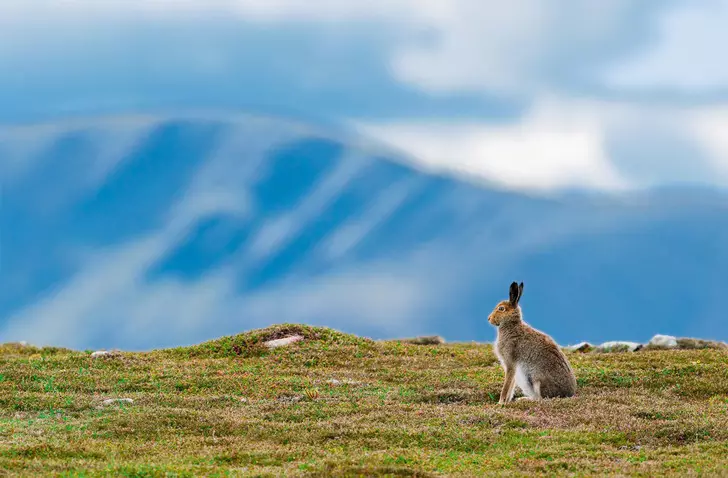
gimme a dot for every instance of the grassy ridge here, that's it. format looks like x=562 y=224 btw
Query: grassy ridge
x=336 y=404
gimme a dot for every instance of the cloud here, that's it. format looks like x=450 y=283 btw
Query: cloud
x=522 y=93
x=709 y=126
x=566 y=144
x=519 y=47
x=686 y=55
x=549 y=149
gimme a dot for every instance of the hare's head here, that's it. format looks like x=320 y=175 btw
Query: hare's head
x=507 y=310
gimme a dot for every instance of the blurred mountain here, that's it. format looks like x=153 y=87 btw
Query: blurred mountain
x=144 y=232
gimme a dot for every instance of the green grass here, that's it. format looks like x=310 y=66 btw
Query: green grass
x=230 y=407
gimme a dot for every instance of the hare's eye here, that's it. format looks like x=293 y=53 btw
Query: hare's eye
x=502 y=309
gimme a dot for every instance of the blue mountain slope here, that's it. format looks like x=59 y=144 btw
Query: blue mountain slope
x=149 y=232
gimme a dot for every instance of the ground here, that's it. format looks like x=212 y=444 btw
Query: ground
x=340 y=405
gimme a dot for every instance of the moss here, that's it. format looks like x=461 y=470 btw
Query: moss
x=339 y=405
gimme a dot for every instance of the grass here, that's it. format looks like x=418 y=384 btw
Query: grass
x=340 y=405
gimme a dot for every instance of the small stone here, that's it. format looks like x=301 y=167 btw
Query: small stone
x=244 y=400
x=100 y=353
x=271 y=344
x=665 y=341
x=114 y=401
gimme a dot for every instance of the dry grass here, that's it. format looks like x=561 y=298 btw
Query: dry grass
x=339 y=405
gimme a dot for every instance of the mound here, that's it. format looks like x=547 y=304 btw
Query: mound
x=252 y=343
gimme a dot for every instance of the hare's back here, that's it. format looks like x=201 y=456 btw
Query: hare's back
x=547 y=364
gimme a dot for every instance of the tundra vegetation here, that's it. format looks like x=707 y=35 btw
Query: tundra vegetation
x=334 y=404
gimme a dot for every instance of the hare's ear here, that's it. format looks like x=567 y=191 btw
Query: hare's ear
x=514 y=292
x=520 y=291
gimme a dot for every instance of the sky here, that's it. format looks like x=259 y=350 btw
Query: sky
x=532 y=94
x=533 y=98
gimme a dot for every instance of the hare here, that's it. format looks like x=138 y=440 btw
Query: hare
x=530 y=358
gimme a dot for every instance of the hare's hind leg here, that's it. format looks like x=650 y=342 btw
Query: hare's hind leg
x=535 y=392
x=536 y=386
x=529 y=385
x=526 y=381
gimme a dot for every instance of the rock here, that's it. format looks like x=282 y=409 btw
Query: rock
x=617 y=345
x=271 y=344
x=580 y=347
x=663 y=341
x=115 y=401
x=687 y=343
x=105 y=354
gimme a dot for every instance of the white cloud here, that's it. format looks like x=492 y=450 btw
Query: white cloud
x=559 y=144
x=435 y=45
x=551 y=148
x=444 y=46
x=709 y=125
x=688 y=53
x=506 y=47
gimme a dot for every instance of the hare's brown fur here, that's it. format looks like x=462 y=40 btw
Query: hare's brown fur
x=530 y=358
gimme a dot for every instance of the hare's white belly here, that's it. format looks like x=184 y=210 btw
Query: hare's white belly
x=523 y=382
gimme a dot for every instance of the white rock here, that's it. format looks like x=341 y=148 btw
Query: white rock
x=579 y=347
x=667 y=341
x=271 y=344
x=631 y=346
x=100 y=353
x=113 y=401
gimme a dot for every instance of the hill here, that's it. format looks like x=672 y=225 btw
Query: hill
x=112 y=227
x=335 y=404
